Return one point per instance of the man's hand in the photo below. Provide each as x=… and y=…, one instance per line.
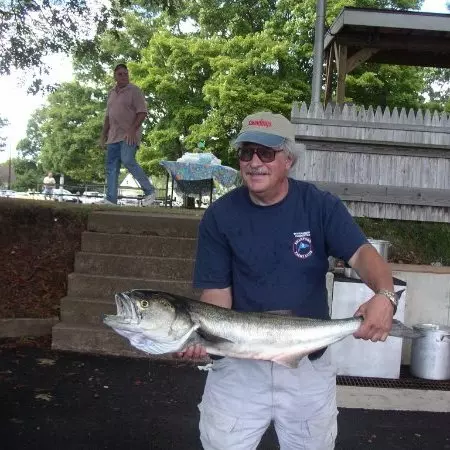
x=102, y=142
x=377, y=313
x=130, y=138
x=193, y=352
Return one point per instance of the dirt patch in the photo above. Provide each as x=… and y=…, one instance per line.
x=26, y=342
x=38, y=241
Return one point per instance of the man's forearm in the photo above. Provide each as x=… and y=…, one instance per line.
x=105, y=129
x=140, y=117
x=372, y=268
x=218, y=297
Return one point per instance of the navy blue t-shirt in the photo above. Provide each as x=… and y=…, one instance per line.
x=275, y=257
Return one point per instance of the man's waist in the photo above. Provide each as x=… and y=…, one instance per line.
x=312, y=356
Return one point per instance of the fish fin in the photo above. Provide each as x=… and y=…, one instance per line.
x=291, y=361
x=399, y=329
x=211, y=338
x=159, y=345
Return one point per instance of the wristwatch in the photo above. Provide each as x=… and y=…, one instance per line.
x=391, y=296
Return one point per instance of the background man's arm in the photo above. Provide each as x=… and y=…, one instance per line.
x=218, y=297
x=377, y=312
x=131, y=136
x=105, y=130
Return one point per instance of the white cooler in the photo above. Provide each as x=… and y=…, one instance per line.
x=356, y=357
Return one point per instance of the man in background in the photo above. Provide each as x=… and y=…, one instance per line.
x=49, y=186
x=122, y=130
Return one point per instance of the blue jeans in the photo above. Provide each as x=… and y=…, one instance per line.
x=121, y=152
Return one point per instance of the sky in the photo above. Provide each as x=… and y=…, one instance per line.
x=17, y=106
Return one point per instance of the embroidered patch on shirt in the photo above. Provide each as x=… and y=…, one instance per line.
x=302, y=246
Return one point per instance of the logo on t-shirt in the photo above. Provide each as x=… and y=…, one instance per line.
x=302, y=246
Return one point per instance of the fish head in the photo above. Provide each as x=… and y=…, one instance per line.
x=150, y=313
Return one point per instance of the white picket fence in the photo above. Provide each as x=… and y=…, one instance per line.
x=357, y=122
x=382, y=163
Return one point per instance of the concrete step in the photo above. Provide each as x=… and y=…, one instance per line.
x=134, y=266
x=75, y=310
x=91, y=339
x=138, y=245
x=101, y=340
x=88, y=310
x=146, y=223
x=104, y=287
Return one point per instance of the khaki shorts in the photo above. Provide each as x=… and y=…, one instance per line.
x=242, y=397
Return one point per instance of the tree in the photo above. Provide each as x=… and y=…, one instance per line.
x=27, y=167
x=94, y=60
x=70, y=132
x=437, y=90
x=250, y=73
x=28, y=174
x=32, y=29
x=200, y=81
x=30, y=146
x=386, y=85
x=3, y=123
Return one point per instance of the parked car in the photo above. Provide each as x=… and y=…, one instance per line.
x=128, y=201
x=89, y=197
x=63, y=195
x=7, y=193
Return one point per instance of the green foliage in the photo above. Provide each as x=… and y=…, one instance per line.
x=412, y=242
x=28, y=174
x=71, y=128
x=201, y=89
x=30, y=146
x=383, y=85
x=95, y=59
x=30, y=30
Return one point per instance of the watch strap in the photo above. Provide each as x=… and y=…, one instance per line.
x=391, y=296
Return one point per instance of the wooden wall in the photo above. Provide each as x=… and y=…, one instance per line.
x=383, y=164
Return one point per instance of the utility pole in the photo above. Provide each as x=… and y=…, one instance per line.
x=318, y=52
x=9, y=168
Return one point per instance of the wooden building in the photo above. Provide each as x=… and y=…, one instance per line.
x=382, y=163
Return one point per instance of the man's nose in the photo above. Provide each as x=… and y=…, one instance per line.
x=255, y=161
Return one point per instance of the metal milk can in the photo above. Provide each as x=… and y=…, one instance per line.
x=430, y=353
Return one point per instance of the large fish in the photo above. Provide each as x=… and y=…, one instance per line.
x=158, y=322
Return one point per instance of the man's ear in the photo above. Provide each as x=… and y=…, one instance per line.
x=289, y=161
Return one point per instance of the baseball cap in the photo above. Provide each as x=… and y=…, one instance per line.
x=265, y=128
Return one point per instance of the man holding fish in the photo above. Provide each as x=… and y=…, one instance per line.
x=264, y=247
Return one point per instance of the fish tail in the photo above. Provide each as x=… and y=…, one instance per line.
x=399, y=329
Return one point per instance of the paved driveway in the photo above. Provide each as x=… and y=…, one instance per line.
x=52, y=400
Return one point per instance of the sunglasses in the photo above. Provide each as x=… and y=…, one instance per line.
x=265, y=154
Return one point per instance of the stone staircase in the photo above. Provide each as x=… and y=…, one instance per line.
x=122, y=251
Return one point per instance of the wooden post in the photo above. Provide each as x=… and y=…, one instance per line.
x=329, y=76
x=167, y=189
x=342, y=72
x=211, y=191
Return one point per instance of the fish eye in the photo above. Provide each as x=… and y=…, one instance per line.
x=144, y=304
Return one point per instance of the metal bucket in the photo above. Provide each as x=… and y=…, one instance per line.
x=381, y=246
x=430, y=354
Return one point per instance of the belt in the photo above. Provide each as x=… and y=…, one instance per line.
x=312, y=356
